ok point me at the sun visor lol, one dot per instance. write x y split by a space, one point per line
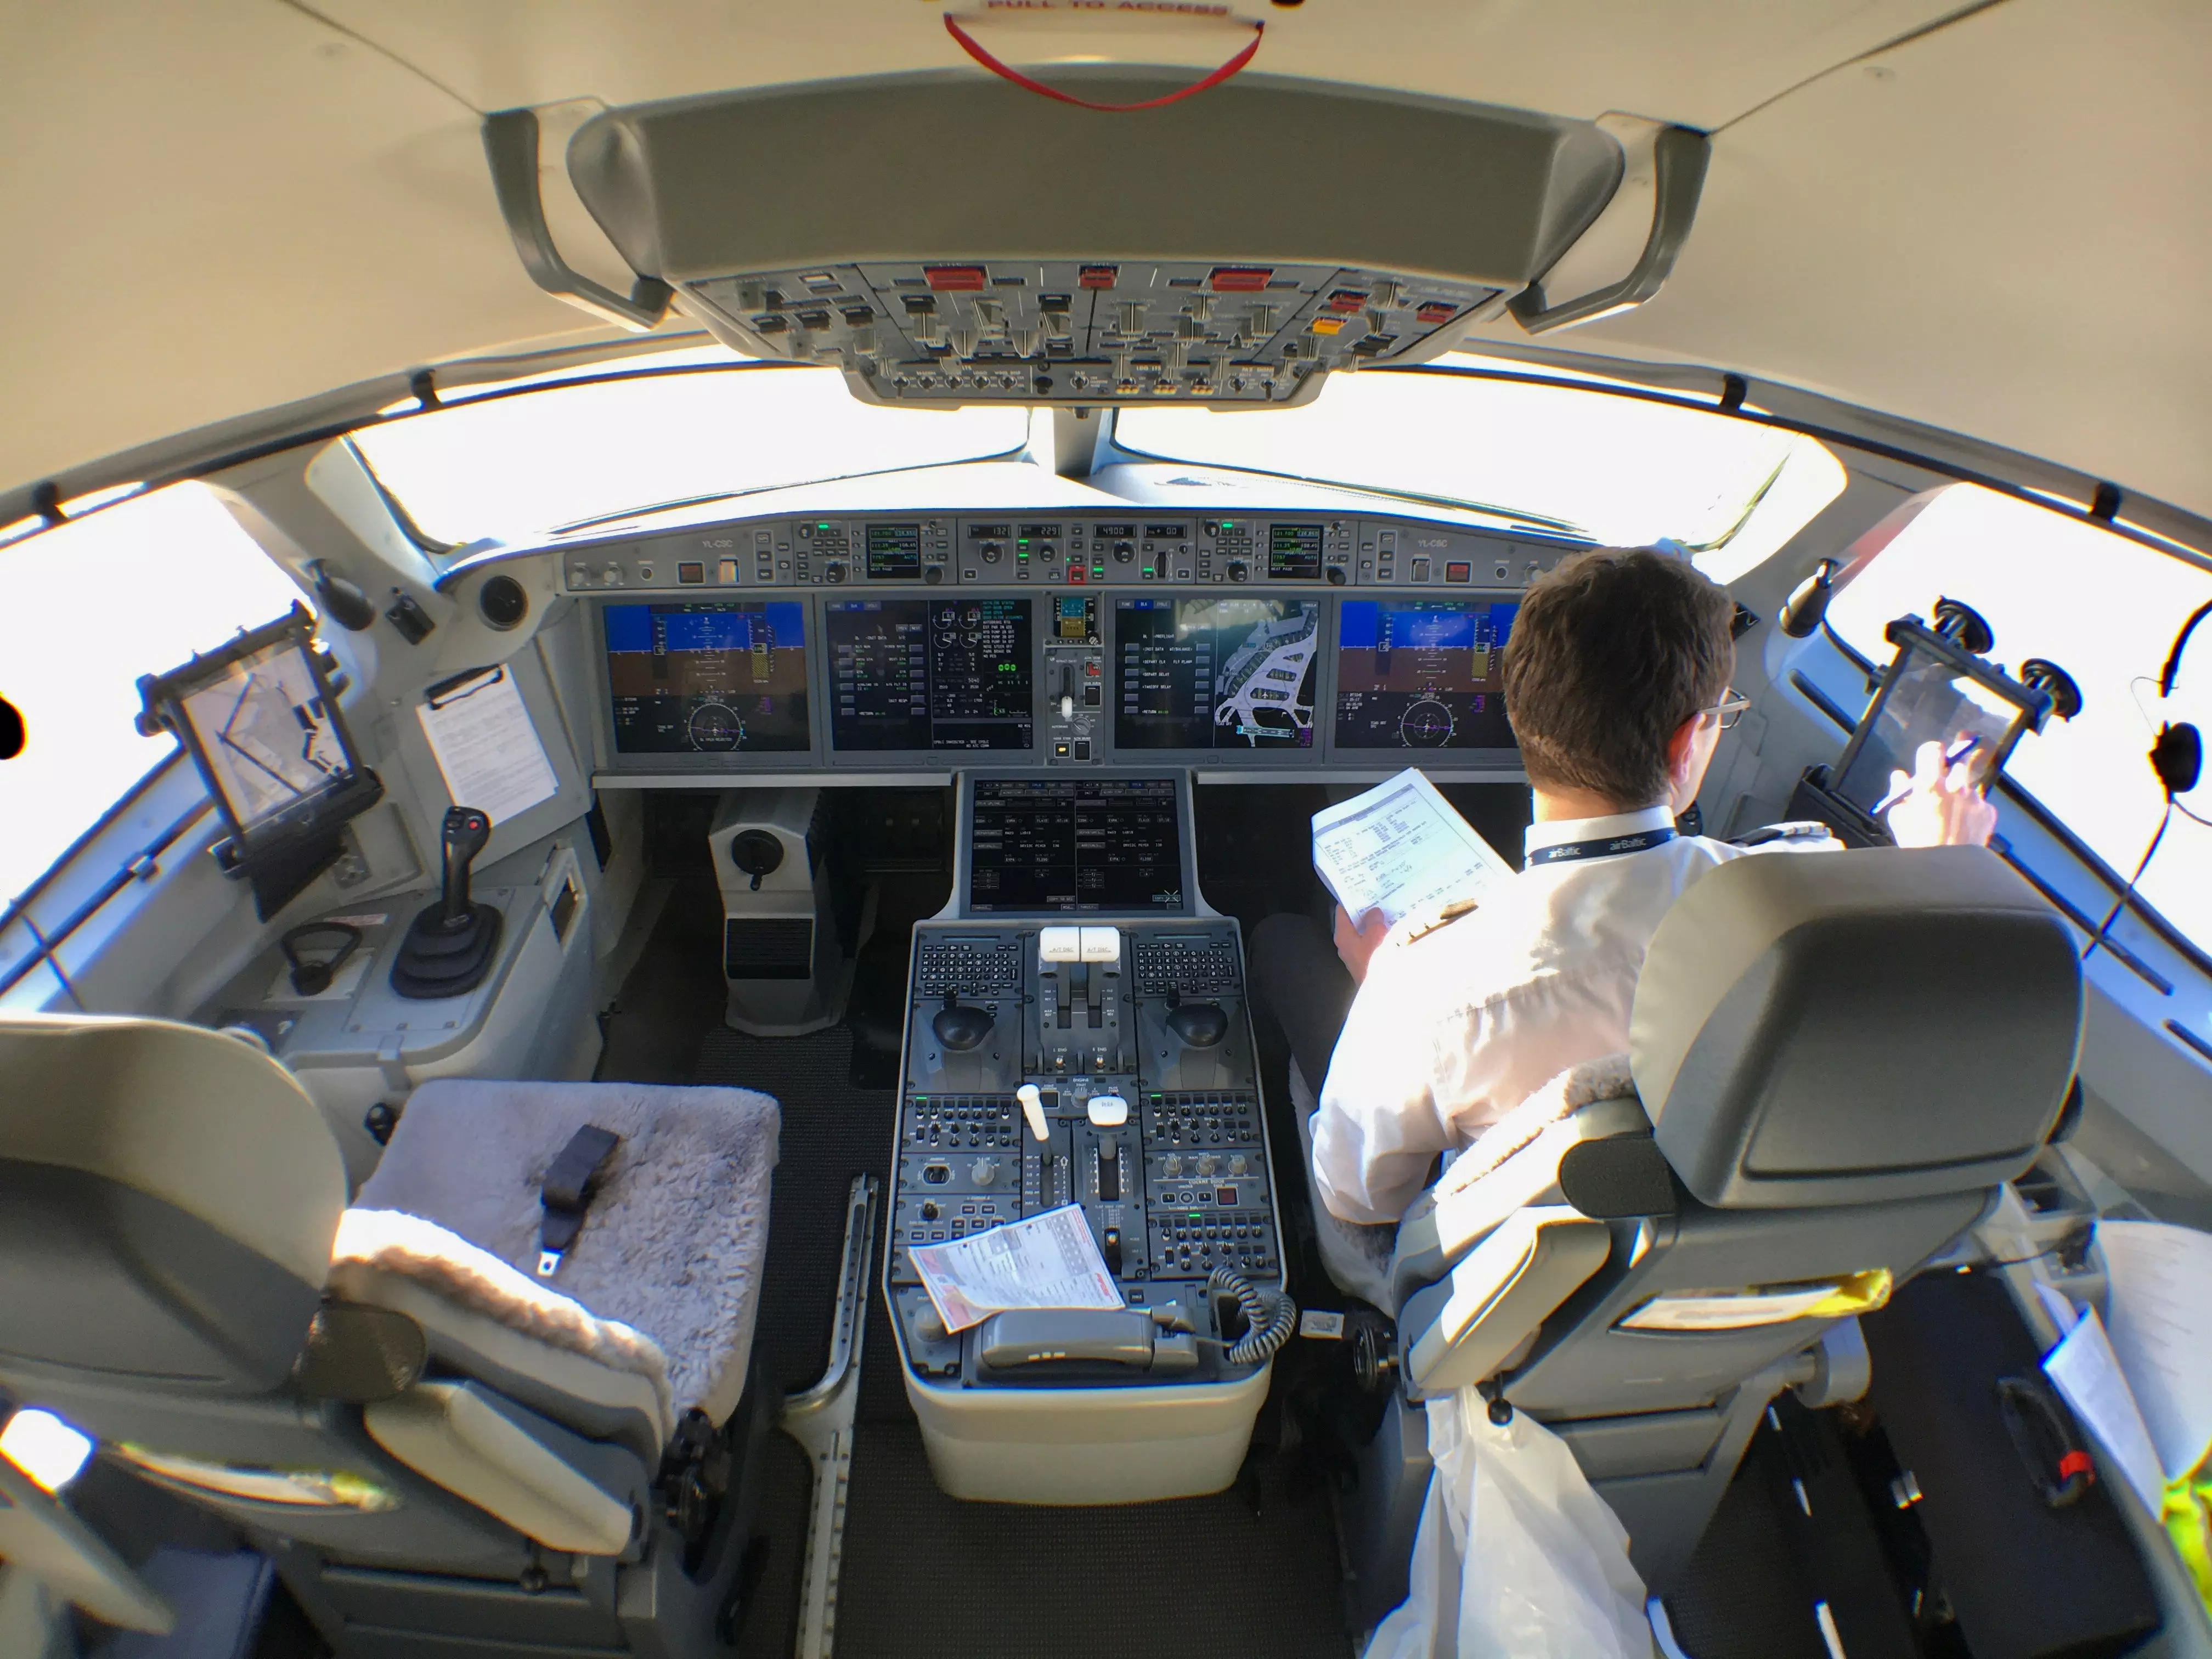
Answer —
944 240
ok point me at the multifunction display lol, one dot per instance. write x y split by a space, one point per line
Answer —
1108 845
1421 674
711 679
931 674
1208 673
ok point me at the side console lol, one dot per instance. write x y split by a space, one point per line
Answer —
1136 1038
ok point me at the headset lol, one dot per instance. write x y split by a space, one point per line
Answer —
2178 755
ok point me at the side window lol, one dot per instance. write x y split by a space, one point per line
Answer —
2102 607
88 606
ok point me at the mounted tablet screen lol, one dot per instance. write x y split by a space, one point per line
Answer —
708 678
1214 673
1109 845
1421 674
931 674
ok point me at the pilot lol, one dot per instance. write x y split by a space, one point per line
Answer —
1616 682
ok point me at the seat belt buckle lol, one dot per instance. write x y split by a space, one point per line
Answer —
566 1192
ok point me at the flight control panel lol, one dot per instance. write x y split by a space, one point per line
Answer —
1079 1035
1069 643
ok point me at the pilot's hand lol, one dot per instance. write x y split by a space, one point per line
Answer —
1945 806
1357 945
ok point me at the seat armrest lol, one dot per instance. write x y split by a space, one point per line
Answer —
1458 1331
567 1492
1449 1220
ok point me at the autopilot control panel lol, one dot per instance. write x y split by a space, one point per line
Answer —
1078 1034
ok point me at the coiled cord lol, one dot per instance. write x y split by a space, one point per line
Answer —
1266 1329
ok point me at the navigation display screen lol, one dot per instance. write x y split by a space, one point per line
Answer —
1421 674
1046 845
707 677
931 674
1208 673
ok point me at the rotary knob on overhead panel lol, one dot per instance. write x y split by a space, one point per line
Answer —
1173 1167
983 1171
1207 1163
1124 551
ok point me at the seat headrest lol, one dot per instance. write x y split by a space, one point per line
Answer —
1849 1028
167 1198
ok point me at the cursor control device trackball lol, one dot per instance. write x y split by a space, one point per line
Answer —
1200 1024
448 948
961 1025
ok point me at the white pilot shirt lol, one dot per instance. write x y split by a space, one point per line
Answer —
1456 1024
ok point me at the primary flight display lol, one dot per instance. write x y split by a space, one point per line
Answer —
1421 674
707 677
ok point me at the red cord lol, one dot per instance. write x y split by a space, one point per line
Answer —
968 45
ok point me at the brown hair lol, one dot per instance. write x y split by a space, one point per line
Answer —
1611 653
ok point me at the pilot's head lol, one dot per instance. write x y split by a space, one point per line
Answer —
1613 675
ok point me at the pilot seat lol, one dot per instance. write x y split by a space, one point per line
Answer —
1835 1062
502 1404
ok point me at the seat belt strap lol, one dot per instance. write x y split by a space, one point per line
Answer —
566 1193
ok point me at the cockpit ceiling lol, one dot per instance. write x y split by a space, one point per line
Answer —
1988 218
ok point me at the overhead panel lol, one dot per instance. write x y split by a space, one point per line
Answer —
941 240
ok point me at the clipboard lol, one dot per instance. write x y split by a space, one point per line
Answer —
486 745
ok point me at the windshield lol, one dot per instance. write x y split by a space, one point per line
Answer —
1624 470
538 459
2028 572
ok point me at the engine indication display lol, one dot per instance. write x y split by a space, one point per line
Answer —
1421 674
931 674
720 678
1208 673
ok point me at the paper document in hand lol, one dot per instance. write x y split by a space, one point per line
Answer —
1049 1261
1400 847
2158 1293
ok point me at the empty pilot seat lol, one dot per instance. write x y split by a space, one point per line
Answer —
443 1448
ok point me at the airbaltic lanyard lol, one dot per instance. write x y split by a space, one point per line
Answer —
1641 841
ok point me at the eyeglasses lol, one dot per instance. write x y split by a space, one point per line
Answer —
1729 709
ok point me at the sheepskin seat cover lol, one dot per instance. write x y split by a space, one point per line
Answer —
671 1248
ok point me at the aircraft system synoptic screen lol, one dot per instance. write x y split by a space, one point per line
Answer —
707 677
931 674
1421 674
1214 673
1105 845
